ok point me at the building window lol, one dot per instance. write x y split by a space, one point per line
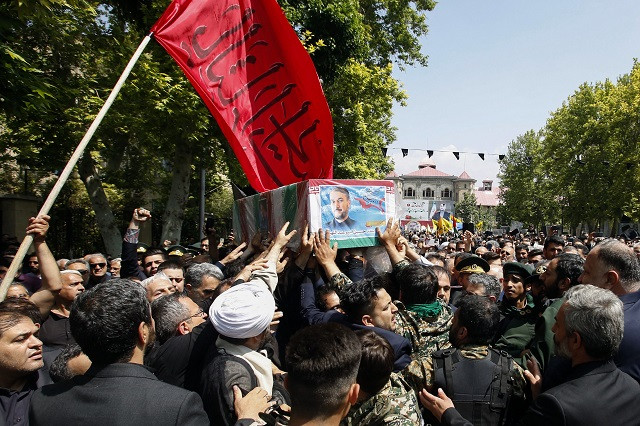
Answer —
446 193
409 192
427 192
465 186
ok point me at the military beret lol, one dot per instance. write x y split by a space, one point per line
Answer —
536 274
517 268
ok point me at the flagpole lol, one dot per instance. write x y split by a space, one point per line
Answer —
28 239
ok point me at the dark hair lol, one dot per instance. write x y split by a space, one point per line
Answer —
418 284
377 361
322 363
321 292
581 247
439 270
522 247
569 266
168 312
170 264
534 252
358 298
23 307
619 257
14 310
105 319
480 316
553 239
152 252
490 255
340 189
59 370
434 256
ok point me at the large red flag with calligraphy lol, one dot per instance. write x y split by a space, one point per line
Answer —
258 81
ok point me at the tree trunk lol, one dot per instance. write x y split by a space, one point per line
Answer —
104 216
177 201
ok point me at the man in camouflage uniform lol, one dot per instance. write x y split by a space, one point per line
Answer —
385 398
473 325
422 318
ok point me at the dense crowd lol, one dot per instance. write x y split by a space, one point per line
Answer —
520 328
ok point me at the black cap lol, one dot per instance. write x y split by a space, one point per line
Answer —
473 265
517 268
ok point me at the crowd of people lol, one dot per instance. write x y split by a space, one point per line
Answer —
522 328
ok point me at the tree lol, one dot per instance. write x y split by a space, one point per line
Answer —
467 208
62 58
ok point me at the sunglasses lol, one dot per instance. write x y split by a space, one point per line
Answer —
99 265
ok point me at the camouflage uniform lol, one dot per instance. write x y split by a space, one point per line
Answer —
420 373
395 404
427 335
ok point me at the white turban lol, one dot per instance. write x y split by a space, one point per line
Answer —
243 311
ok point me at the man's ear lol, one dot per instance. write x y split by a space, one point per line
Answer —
352 396
184 328
143 333
612 279
367 320
575 341
462 333
564 284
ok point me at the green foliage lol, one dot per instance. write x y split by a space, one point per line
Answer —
59 60
467 208
584 163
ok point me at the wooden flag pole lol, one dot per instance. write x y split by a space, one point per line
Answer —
26 243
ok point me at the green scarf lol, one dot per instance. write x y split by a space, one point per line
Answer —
426 310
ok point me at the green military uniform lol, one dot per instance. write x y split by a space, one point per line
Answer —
420 373
543 344
426 334
516 329
395 404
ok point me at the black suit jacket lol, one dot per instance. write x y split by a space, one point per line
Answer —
118 394
594 393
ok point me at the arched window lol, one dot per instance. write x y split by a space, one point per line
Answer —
427 192
446 193
409 192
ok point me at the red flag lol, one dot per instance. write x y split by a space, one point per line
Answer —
248 66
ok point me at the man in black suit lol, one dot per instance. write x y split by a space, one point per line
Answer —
340 205
112 324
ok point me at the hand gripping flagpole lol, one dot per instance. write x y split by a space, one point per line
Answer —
26 243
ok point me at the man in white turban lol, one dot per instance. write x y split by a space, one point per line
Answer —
241 316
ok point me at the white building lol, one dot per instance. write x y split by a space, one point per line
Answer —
427 193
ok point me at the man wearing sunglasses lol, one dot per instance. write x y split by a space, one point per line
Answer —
97 269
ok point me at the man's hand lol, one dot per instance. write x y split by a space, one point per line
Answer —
322 246
282 260
325 254
390 235
38 227
283 238
437 404
275 320
306 248
532 373
140 215
247 271
236 253
254 403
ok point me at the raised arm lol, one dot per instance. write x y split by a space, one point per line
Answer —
51 279
129 264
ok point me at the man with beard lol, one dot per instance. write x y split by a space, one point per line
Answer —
588 331
561 274
340 205
112 324
486 384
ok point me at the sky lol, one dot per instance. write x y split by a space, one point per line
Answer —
498 68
